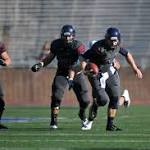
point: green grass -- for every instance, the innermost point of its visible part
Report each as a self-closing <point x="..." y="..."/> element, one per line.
<point x="32" y="131"/>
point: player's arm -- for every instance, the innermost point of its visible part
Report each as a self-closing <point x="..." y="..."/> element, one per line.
<point x="90" y="69"/>
<point x="43" y="63"/>
<point x="116" y="64"/>
<point x="71" y="78"/>
<point x="5" y="59"/>
<point x="84" y="58"/>
<point x="133" y="65"/>
<point x="48" y="59"/>
<point x="83" y="62"/>
<point x="131" y="62"/>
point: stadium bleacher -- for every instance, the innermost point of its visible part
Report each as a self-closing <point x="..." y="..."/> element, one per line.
<point x="25" y="25"/>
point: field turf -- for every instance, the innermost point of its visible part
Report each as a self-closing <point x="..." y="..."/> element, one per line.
<point x="29" y="130"/>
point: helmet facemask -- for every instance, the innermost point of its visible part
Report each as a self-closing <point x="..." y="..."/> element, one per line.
<point x="67" y="38"/>
<point x="113" y="42"/>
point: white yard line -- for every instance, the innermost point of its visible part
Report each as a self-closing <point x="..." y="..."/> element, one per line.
<point x="74" y="141"/>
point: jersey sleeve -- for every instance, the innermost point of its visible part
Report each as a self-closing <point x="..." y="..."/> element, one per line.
<point x="123" y="51"/>
<point x="81" y="49"/>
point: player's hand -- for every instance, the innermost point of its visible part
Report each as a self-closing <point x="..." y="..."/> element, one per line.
<point x="37" y="67"/>
<point x="70" y="83"/>
<point x="2" y="63"/>
<point x="139" y="73"/>
<point x="116" y="64"/>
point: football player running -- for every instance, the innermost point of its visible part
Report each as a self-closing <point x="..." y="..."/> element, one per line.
<point x="124" y="98"/>
<point x="5" y="60"/>
<point x="67" y="51"/>
<point x="106" y="86"/>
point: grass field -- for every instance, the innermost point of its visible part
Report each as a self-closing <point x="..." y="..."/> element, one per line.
<point x="29" y="129"/>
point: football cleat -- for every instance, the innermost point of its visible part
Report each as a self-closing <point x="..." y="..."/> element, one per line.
<point x="88" y="126"/>
<point x="113" y="128"/>
<point x="3" y="127"/>
<point x="53" y="126"/>
<point x="84" y="122"/>
<point x="126" y="96"/>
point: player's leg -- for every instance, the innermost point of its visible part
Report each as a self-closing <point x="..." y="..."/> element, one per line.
<point x="100" y="101"/>
<point x="125" y="99"/>
<point x="93" y="109"/>
<point x="59" y="85"/>
<point x="113" y="90"/>
<point x="81" y="90"/>
<point x="2" y="107"/>
<point x="100" y="98"/>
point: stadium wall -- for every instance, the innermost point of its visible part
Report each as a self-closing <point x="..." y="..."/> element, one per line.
<point x="23" y="87"/>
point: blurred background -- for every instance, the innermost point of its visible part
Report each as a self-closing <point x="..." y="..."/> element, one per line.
<point x="26" y="24"/>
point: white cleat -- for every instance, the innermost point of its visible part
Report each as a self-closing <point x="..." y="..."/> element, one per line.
<point x="88" y="126"/>
<point x="53" y="127"/>
<point x="84" y="122"/>
<point x="126" y="96"/>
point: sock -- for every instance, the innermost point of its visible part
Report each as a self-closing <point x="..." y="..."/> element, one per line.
<point x="54" y="115"/>
<point x="82" y="114"/>
<point x="110" y="121"/>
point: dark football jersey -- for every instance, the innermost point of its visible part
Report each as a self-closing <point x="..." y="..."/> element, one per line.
<point x="102" y="55"/>
<point x="2" y="48"/>
<point x="67" y="54"/>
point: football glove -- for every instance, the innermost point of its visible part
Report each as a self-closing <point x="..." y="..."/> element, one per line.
<point x="37" y="66"/>
<point x="2" y="63"/>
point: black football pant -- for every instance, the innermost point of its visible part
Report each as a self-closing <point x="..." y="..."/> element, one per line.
<point x="60" y="84"/>
<point x="110" y="93"/>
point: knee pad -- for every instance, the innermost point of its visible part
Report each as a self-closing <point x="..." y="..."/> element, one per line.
<point x="55" y="102"/>
<point x="113" y="103"/>
<point x="2" y="104"/>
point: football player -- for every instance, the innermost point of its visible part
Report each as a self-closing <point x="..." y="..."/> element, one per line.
<point x="124" y="98"/>
<point x="106" y="86"/>
<point x="4" y="61"/>
<point x="67" y="51"/>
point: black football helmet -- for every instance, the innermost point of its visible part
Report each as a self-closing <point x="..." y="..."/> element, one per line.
<point x="113" y="37"/>
<point x="68" y="31"/>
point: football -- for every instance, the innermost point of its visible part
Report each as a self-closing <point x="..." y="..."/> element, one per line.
<point x="92" y="68"/>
